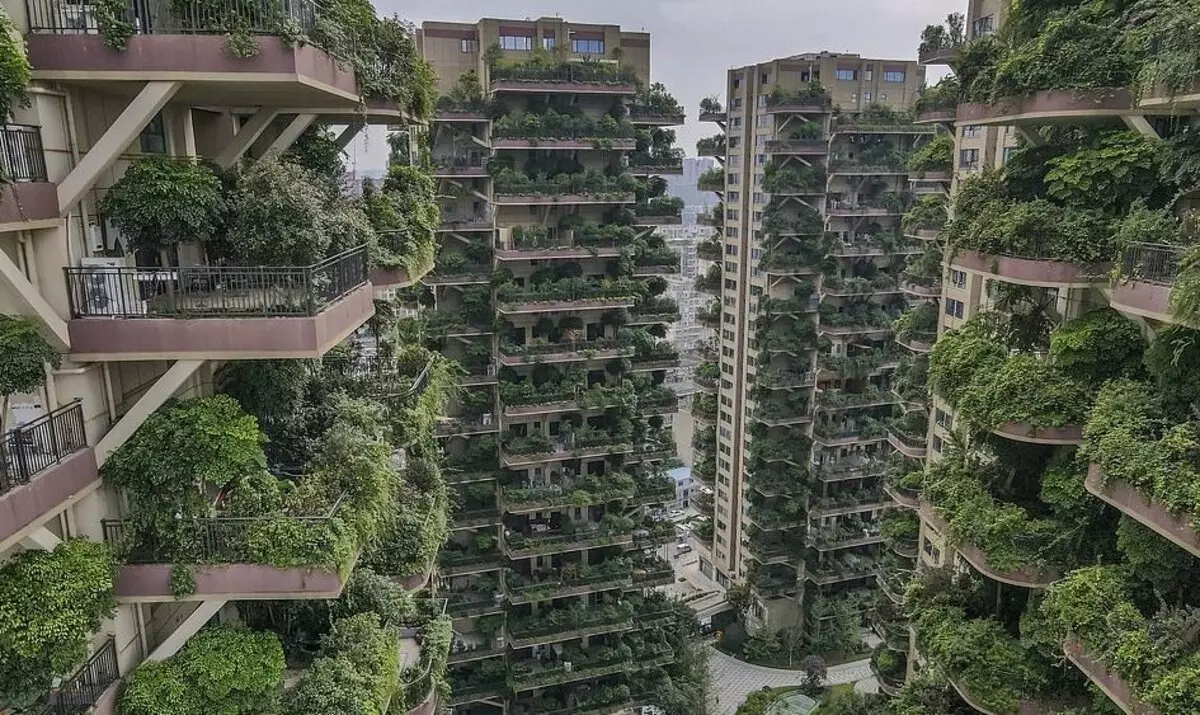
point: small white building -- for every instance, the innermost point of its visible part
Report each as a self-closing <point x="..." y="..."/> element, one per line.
<point x="684" y="485"/>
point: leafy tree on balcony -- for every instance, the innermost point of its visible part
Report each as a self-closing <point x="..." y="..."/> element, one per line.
<point x="927" y="213"/>
<point x="14" y="68"/>
<point x="655" y="101"/>
<point x="570" y="124"/>
<point x="780" y="179"/>
<point x="711" y="105"/>
<point x="711" y="146"/>
<point x="547" y="66"/>
<point x="465" y="96"/>
<point x="917" y="323"/>
<point x="814" y="94"/>
<point x="935" y="155"/>
<point x="941" y="97"/>
<point x="161" y="202"/>
<point x="942" y="37"/>
<point x="24" y="354"/>
<point x="221" y="669"/>
<point x="53" y="602"/>
<point x="655" y="148"/>
<point x="406" y="216"/>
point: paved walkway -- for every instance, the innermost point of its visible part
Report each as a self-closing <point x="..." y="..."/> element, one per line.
<point x="733" y="680"/>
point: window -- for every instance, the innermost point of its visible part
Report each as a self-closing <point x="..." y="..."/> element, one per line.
<point x="731" y="214"/>
<point x="725" y="417"/>
<point x="943" y="418"/>
<point x="854" y="96"/>
<point x="731" y="232"/>
<point x="153" y="139"/>
<point x="736" y="103"/>
<point x="730" y="249"/>
<point x="764" y="78"/>
<point x="518" y="43"/>
<point x="735" y="142"/>
<point x="893" y="76"/>
<point x="736" y="122"/>
<point x="548" y="42"/>
<point x="730" y="284"/>
<point x="883" y="96"/>
<point x="937" y="444"/>
<point x="737" y="82"/>
<point x="983" y="26"/>
<point x="972" y="130"/>
<point x="756" y="254"/>
<point x="760" y="160"/>
<point x="734" y="196"/>
<point x="733" y="179"/>
<point x="730" y="266"/>
<point x="958" y="278"/>
<point x="727" y="352"/>
<point x="954" y="308"/>
<point x="468" y="46"/>
<point x="760" y="198"/>
<point x="587" y="47"/>
<point x="847" y="75"/>
<point x="968" y="159"/>
<point x="869" y="74"/>
<point x="761" y="101"/>
<point x="1008" y="150"/>
<point x="866" y="96"/>
<point x="758" y="178"/>
<point x="765" y="120"/>
<point x="760" y="140"/>
<point x="725" y="434"/>
<point x="758" y="215"/>
<point x="730" y="319"/>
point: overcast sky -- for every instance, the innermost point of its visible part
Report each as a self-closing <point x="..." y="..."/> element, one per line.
<point x="693" y="42"/>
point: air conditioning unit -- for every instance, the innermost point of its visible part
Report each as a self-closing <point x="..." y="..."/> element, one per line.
<point x="103" y="291"/>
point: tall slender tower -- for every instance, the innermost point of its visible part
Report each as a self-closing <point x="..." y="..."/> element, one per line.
<point x="804" y="415"/>
<point x="549" y="284"/>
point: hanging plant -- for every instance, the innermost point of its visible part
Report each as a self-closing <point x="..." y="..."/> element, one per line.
<point x="112" y="17"/>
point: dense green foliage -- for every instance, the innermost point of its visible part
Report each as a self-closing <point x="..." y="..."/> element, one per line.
<point x="14" y="68"/>
<point x="935" y="155"/>
<point x="51" y="602"/>
<point x="222" y="669"/>
<point x="160" y="202"/>
<point x="356" y="671"/>
<point x="24" y="354"/>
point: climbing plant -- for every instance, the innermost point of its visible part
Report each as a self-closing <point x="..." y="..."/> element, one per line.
<point x="24" y="354"/>
<point x="51" y="602"/>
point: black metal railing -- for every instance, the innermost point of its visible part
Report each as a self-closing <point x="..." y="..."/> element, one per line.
<point x="22" y="157"/>
<point x="40" y="444"/>
<point x="1151" y="263"/>
<point x="218" y="539"/>
<point x="214" y="291"/>
<point x="80" y="692"/>
<point x="162" y="17"/>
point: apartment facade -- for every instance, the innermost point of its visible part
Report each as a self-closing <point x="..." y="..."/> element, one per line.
<point x="1002" y="283"/>
<point x="813" y="171"/>
<point x="135" y="333"/>
<point x="546" y="160"/>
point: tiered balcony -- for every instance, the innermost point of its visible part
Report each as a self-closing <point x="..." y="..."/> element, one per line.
<point x="91" y="689"/>
<point x="217" y="312"/>
<point x="1111" y="684"/>
<point x="467" y="222"/>
<point x="1031" y="271"/>
<point x="835" y="539"/>
<point x="910" y="444"/>
<point x="556" y="625"/>
<point x="460" y="167"/>
<point x="465" y="562"/>
<point x="466" y="426"/>
<point x="647" y="116"/>
<point x="798" y="147"/>
<point x="187" y="45"/>
<point x="522" y="452"/>
<point x="519" y="546"/>
<point x="1027" y="577"/>
<point x="535" y="301"/>
<point x="1148" y="274"/>
<point x="45" y="465"/>
<point x="28" y="197"/>
<point x="566" y="78"/>
<point x="1124" y="497"/>
<point x="531" y="244"/>
<point x="1068" y="106"/>
<point x="581" y="350"/>
<point x="853" y="568"/>
<point x="224" y="567"/>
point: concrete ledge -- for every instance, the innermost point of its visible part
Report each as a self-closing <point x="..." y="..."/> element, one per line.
<point x="151" y="583"/>
<point x="26" y="202"/>
<point x="1149" y="300"/>
<point x="1025" y="577"/>
<point x="1126" y="499"/>
<point x="1021" y="432"/>
<point x="1048" y="106"/>
<point x="512" y="85"/>
<point x="48" y="492"/>
<point x="106" y="339"/>
<point x="1113" y="685"/>
<point x="1031" y="271"/>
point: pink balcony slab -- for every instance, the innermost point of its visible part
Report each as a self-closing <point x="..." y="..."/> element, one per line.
<point x="1023" y="577"/>
<point x="936" y="116"/>
<point x="1027" y="706"/>
<point x="1031" y="271"/>
<point x="560" y="306"/>
<point x="25" y="203"/>
<point x="460" y="172"/>
<point x="1056" y="105"/>
<point x="150" y="583"/>
<point x="568" y="199"/>
<point x="798" y="108"/>
<point x="565" y="144"/>
<point x="1021" y="432"/>
<point x="234" y="338"/>
<point x="299" y="76"/>
<point x="48" y="492"/>
<point x="450" y="115"/>
<point x="399" y="277"/>
<point x="510" y="85"/>
<point x="1149" y="300"/>
<point x="1151" y="513"/>
<point x="1112" y="684"/>
<point x="657" y="120"/>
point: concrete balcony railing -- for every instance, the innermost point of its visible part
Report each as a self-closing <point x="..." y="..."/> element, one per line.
<point x="1025" y="577"/>
<point x="187" y="41"/>
<point x="220" y="554"/>
<point x="1110" y="683"/>
<point x="569" y="78"/>
<point x="646" y="116"/>
<point x="1049" y="107"/>
<point x="544" y="629"/>
<point x="91" y="689"/>
<point x="1031" y="271"/>
<point x="453" y="563"/>
<point x="44" y="465"/>
<point x="1124" y="497"/>
<point x="28" y="196"/>
<point x="217" y="312"/>
<point x="580" y="350"/>
<point x="1148" y="274"/>
<point x="518" y="546"/>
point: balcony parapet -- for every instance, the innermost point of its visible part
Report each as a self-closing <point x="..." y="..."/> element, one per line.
<point x="1021" y="432"/>
<point x="1036" y="272"/>
<point x="1027" y="577"/>
<point x="45" y="465"/>
<point x="1112" y="684"/>
<point x="1048" y="107"/>
<point x="1149" y="512"/>
<point x="217" y="312"/>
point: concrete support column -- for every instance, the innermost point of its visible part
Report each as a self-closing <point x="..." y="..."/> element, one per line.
<point x="33" y="303"/>
<point x="188" y="628"/>
<point x="151" y="400"/>
<point x="291" y="133"/>
<point x="132" y="120"/>
<point x="246" y="136"/>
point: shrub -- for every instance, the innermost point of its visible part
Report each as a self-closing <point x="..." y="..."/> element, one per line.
<point x="24" y="353"/>
<point x="223" y="669"/>
<point x="52" y="603"/>
<point x="958" y="356"/>
<point x="160" y="202"/>
<point x="1098" y="346"/>
<point x="1024" y="389"/>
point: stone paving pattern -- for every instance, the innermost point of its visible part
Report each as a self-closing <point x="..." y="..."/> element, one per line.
<point x="733" y="680"/>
